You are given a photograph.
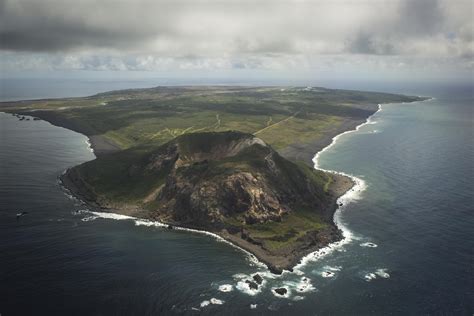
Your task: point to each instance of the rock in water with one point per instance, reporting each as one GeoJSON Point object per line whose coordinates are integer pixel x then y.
{"type": "Point", "coordinates": [257, 278]}
{"type": "Point", "coordinates": [281, 291]}
{"type": "Point", "coordinates": [252, 285]}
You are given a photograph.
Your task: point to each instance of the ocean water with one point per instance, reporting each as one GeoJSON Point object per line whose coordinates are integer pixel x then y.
{"type": "Point", "coordinates": [410, 248]}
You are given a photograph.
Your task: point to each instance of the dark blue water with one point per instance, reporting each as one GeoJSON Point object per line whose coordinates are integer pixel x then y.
{"type": "Point", "coordinates": [416, 160]}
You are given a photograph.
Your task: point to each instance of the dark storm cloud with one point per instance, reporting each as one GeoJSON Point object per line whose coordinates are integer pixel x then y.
{"type": "Point", "coordinates": [65, 37]}
{"type": "Point", "coordinates": [62, 25]}
{"type": "Point", "coordinates": [365, 43]}
{"type": "Point", "coordinates": [260, 26]}
{"type": "Point", "coordinates": [411, 20]}
{"type": "Point", "coordinates": [151, 34]}
{"type": "Point", "coordinates": [420, 17]}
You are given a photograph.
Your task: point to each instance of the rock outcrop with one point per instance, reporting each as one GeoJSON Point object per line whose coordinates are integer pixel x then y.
{"type": "Point", "coordinates": [233, 174]}
{"type": "Point", "coordinates": [230, 183]}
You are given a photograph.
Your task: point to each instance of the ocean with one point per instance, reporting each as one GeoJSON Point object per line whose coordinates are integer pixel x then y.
{"type": "Point", "coordinates": [409, 227]}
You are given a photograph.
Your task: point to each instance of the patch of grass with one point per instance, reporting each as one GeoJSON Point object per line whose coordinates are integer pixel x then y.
{"type": "Point", "coordinates": [142, 116]}
{"type": "Point", "coordinates": [121, 177]}
{"type": "Point", "coordinates": [278, 235]}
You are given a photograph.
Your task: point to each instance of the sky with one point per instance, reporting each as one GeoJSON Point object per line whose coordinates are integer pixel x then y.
{"type": "Point", "coordinates": [391, 39]}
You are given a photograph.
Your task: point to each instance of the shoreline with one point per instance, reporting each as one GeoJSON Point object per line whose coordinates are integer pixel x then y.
{"type": "Point", "coordinates": [276, 264]}
{"type": "Point", "coordinates": [351, 195]}
{"type": "Point", "coordinates": [255, 253]}
{"type": "Point", "coordinates": [299, 260]}
{"type": "Point", "coordinates": [99, 144]}
{"type": "Point", "coordinates": [306, 152]}
{"type": "Point", "coordinates": [348, 197]}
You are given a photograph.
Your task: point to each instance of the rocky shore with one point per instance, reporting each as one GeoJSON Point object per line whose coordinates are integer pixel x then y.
{"type": "Point", "coordinates": [271, 204]}
{"type": "Point", "coordinates": [276, 263]}
{"type": "Point", "coordinates": [288, 258]}
{"type": "Point", "coordinates": [253, 201]}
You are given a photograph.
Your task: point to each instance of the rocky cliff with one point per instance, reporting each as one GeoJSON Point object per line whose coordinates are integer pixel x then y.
{"type": "Point", "coordinates": [231, 183]}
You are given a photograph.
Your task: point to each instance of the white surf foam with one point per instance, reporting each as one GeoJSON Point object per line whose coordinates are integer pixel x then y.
{"type": "Point", "coordinates": [268, 275]}
{"type": "Point", "coordinates": [382, 273]}
{"type": "Point", "coordinates": [379, 273]}
{"type": "Point", "coordinates": [298, 272]}
{"type": "Point", "coordinates": [335, 268]}
{"type": "Point", "coordinates": [369, 244]}
{"type": "Point", "coordinates": [304, 285]}
{"type": "Point", "coordinates": [226, 288]}
{"type": "Point", "coordinates": [147, 223]}
{"type": "Point", "coordinates": [108, 215]}
{"type": "Point", "coordinates": [352, 195]}
{"type": "Point", "coordinates": [143, 222]}
{"type": "Point", "coordinates": [330, 271]}
{"type": "Point", "coordinates": [253, 306]}
{"type": "Point", "coordinates": [337, 137]}
{"type": "Point", "coordinates": [205, 303]}
{"type": "Point", "coordinates": [216, 301]}
{"type": "Point", "coordinates": [89, 146]}
{"type": "Point", "coordinates": [89, 218]}
{"type": "Point", "coordinates": [244, 287]}
{"type": "Point", "coordinates": [370, 276]}
{"type": "Point", "coordinates": [327, 274]}
{"type": "Point", "coordinates": [239, 276]}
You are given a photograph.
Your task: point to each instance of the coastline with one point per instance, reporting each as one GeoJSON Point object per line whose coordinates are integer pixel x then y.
{"type": "Point", "coordinates": [351, 195]}
{"type": "Point", "coordinates": [99, 144]}
{"type": "Point", "coordinates": [306, 152]}
{"type": "Point", "coordinates": [342, 199]}
{"type": "Point", "coordinates": [277, 264]}
{"type": "Point", "coordinates": [344, 196]}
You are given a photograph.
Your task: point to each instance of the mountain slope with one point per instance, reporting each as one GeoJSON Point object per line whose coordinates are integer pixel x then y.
{"type": "Point", "coordinates": [231, 183]}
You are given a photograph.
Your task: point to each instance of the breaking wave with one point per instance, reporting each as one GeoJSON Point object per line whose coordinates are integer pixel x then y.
{"type": "Point", "coordinates": [350, 196]}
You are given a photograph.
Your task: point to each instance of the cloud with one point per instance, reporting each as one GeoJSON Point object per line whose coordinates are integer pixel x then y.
{"type": "Point", "coordinates": [136, 34]}
{"type": "Point", "coordinates": [50, 25]}
{"type": "Point", "coordinates": [420, 17]}
{"type": "Point", "coordinates": [365, 43]}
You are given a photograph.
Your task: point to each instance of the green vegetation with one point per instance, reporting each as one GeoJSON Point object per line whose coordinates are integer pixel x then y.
{"type": "Point", "coordinates": [194, 156]}
{"type": "Point", "coordinates": [276, 236]}
{"type": "Point", "coordinates": [279, 115]}
{"type": "Point", "coordinates": [121, 177]}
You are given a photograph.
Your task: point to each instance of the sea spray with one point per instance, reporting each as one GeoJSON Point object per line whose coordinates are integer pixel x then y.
{"type": "Point", "coordinates": [89, 145]}
{"type": "Point", "coordinates": [226, 288]}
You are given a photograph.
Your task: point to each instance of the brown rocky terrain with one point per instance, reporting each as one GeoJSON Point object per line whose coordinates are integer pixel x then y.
{"type": "Point", "coordinates": [230, 183]}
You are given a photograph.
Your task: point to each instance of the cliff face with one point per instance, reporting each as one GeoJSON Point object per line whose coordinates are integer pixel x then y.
{"type": "Point", "coordinates": [230, 175]}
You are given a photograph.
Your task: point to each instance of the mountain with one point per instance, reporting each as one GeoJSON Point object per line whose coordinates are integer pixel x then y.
{"type": "Point", "coordinates": [230, 183]}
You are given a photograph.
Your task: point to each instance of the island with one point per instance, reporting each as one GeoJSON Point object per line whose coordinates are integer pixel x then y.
{"type": "Point", "coordinates": [235, 161]}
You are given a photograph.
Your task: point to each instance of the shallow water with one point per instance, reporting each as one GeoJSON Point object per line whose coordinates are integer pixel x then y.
{"type": "Point", "coordinates": [411, 250]}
